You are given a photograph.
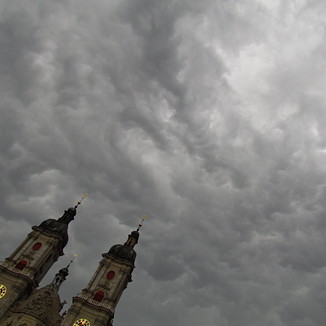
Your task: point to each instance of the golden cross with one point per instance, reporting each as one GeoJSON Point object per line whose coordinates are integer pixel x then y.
{"type": "Point", "coordinates": [83, 197]}
{"type": "Point", "coordinates": [143, 218]}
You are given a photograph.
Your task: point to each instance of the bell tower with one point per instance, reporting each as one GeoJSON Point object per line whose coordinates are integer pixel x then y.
{"type": "Point", "coordinates": [95, 305]}
{"type": "Point", "coordinates": [22, 271]}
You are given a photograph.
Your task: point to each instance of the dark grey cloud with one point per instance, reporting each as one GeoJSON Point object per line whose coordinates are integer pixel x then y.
{"type": "Point", "coordinates": [206, 115]}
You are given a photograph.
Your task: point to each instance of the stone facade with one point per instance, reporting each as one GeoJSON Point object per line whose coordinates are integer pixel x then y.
{"type": "Point", "coordinates": [22, 304]}
{"type": "Point", "coordinates": [41, 308]}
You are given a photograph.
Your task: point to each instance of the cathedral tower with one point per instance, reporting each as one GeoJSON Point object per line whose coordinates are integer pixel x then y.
{"type": "Point", "coordinates": [22, 271]}
{"type": "Point", "coordinates": [96, 304]}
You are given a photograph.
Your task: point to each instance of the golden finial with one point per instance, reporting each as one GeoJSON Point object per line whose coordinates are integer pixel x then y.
{"type": "Point", "coordinates": [80, 201]}
{"type": "Point", "coordinates": [143, 218]}
{"type": "Point", "coordinates": [72, 259]}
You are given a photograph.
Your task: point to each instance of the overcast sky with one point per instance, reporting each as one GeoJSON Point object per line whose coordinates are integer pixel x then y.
{"type": "Point", "coordinates": [207, 115]}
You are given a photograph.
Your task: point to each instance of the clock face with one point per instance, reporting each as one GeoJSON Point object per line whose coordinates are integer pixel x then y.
{"type": "Point", "coordinates": [82, 322]}
{"type": "Point", "coordinates": [3, 290]}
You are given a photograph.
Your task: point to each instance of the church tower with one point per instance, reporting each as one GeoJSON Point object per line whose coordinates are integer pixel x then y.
{"type": "Point", "coordinates": [22, 271]}
{"type": "Point", "coordinates": [41, 308]}
{"type": "Point", "coordinates": [96, 304]}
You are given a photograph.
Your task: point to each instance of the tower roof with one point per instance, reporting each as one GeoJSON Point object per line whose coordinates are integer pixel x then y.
{"type": "Point", "coordinates": [126, 251]}
{"type": "Point", "coordinates": [60, 277]}
{"type": "Point", "coordinates": [123, 252]}
{"type": "Point", "coordinates": [59, 227]}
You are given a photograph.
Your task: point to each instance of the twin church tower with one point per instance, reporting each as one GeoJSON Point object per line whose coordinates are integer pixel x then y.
{"type": "Point", "coordinates": [23, 304]}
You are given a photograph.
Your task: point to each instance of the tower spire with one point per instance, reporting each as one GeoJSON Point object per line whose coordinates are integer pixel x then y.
{"type": "Point", "coordinates": [61, 276]}
{"type": "Point", "coordinates": [70, 213]}
{"type": "Point", "coordinates": [59, 227]}
{"type": "Point", "coordinates": [134, 236]}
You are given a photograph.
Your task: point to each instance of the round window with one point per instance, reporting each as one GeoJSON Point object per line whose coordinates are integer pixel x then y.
{"type": "Point", "coordinates": [110, 275]}
{"type": "Point", "coordinates": [37, 246]}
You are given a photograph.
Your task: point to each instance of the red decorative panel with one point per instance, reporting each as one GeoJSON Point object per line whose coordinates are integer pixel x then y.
{"type": "Point", "coordinates": [37, 246]}
{"type": "Point", "coordinates": [98, 296]}
{"type": "Point", "coordinates": [110, 275]}
{"type": "Point", "coordinates": [21, 265]}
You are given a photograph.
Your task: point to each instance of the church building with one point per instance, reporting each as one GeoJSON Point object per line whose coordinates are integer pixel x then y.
{"type": "Point", "coordinates": [22, 303]}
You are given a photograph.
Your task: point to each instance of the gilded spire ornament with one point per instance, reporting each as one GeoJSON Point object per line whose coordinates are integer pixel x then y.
{"type": "Point", "coordinates": [143, 218]}
{"type": "Point", "coordinates": [80, 201]}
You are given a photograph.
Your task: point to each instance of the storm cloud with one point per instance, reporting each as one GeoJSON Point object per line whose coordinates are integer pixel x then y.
{"type": "Point", "coordinates": [206, 115]}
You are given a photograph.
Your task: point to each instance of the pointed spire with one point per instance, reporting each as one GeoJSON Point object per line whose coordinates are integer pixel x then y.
{"type": "Point", "coordinates": [61, 276]}
{"type": "Point", "coordinates": [134, 236]}
{"type": "Point", "coordinates": [71, 212]}
{"type": "Point", "coordinates": [59, 227]}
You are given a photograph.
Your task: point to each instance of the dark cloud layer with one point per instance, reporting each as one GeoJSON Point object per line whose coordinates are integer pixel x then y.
{"type": "Point", "coordinates": [207, 115]}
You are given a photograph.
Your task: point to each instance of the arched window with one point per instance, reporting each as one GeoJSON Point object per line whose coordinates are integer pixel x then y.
{"type": "Point", "coordinates": [37, 246]}
{"type": "Point", "coordinates": [21, 265]}
{"type": "Point", "coordinates": [110, 275]}
{"type": "Point", "coordinates": [98, 296]}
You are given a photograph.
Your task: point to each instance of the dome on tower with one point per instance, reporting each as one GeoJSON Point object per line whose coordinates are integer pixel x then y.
{"type": "Point", "coordinates": [123, 252]}
{"type": "Point", "coordinates": [64, 271]}
{"type": "Point", "coordinates": [59, 227]}
{"type": "Point", "coordinates": [126, 251]}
